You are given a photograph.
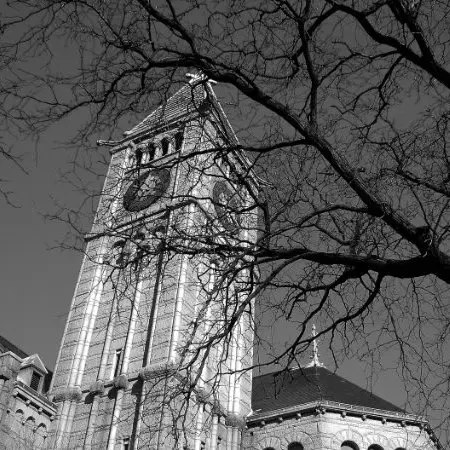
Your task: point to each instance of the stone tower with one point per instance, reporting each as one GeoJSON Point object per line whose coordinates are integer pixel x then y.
{"type": "Point", "coordinates": [160, 323]}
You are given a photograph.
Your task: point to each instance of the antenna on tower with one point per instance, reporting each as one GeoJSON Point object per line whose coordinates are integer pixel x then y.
{"type": "Point", "coordinates": [315, 356]}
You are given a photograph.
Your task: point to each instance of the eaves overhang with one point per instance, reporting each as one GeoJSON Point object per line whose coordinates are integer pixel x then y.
{"type": "Point", "coordinates": [324, 406]}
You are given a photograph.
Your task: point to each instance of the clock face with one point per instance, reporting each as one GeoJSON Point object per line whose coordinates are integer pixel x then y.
{"type": "Point", "coordinates": [146, 189]}
{"type": "Point", "coordinates": [227, 206]}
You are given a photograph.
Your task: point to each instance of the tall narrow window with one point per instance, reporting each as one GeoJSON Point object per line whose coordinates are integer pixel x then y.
{"type": "Point", "coordinates": [138, 156]}
{"type": "Point", "coordinates": [165, 146]}
{"type": "Point", "coordinates": [151, 151]}
{"type": "Point", "coordinates": [116, 363]}
{"type": "Point", "coordinates": [178, 140]}
{"type": "Point", "coordinates": [126, 444]}
{"type": "Point", "coordinates": [35, 381]}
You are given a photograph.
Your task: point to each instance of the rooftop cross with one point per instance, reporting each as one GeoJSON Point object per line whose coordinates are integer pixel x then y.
{"type": "Point", "coordinates": [315, 356]}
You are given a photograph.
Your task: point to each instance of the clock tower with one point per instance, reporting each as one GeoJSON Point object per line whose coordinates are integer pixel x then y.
{"type": "Point", "coordinates": [160, 328]}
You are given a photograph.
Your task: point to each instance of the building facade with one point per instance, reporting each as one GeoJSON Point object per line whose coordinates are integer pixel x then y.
{"type": "Point", "coordinates": [25, 411]}
{"type": "Point", "coordinates": [129, 372]}
{"type": "Point", "coordinates": [160, 326]}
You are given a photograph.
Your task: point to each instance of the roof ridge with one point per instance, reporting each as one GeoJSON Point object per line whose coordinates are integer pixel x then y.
{"type": "Point", "coordinates": [12, 348]}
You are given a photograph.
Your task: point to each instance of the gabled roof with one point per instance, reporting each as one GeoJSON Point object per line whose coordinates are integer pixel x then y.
{"type": "Point", "coordinates": [34, 361]}
{"type": "Point", "coordinates": [278, 390]}
{"type": "Point", "coordinates": [7, 346]}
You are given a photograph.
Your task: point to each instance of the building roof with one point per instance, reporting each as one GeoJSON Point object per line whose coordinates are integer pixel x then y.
{"type": "Point", "coordinates": [195, 97]}
{"type": "Point", "coordinates": [7, 346]}
{"type": "Point", "coordinates": [189, 99]}
{"type": "Point", "coordinates": [278, 390]}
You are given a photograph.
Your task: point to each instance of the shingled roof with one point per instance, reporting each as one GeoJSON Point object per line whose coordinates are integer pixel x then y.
{"type": "Point", "coordinates": [279, 390]}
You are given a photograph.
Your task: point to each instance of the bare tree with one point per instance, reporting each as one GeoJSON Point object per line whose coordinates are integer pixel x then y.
{"type": "Point", "coordinates": [344, 116]}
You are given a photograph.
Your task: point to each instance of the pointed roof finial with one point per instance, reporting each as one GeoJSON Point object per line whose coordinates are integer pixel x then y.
{"type": "Point", "coordinates": [315, 356]}
{"type": "Point", "coordinates": [198, 77]}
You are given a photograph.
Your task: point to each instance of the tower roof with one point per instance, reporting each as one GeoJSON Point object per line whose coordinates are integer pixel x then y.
{"type": "Point", "coordinates": [188, 99]}
{"type": "Point", "coordinates": [279, 390]}
{"type": "Point", "coordinates": [195, 97]}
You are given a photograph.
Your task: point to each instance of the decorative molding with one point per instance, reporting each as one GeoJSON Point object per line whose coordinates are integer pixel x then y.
{"type": "Point", "coordinates": [235, 420]}
{"type": "Point", "coordinates": [320, 407]}
{"type": "Point", "coordinates": [218, 409]}
{"type": "Point", "coordinates": [97, 388]}
{"type": "Point", "coordinates": [72, 394]}
{"type": "Point", "coordinates": [157, 370]}
{"type": "Point", "coordinates": [202, 395]}
{"type": "Point", "coordinates": [121, 382]}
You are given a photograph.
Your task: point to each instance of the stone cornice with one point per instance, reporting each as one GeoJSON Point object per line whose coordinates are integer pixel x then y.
{"type": "Point", "coordinates": [39, 401]}
{"type": "Point", "coordinates": [321, 407]}
{"type": "Point", "coordinates": [72, 393]}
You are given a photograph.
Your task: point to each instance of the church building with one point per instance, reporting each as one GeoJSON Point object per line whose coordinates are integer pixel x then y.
{"type": "Point", "coordinates": [160, 327]}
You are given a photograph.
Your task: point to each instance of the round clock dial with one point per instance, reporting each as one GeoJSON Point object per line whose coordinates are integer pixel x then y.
{"type": "Point", "coordinates": [227, 206]}
{"type": "Point", "coordinates": [146, 189]}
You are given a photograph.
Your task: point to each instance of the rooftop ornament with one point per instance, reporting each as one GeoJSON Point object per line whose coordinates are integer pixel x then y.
{"type": "Point", "coordinates": [315, 356]}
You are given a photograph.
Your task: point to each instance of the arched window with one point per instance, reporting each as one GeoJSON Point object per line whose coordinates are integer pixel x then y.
{"type": "Point", "coordinates": [400, 448]}
{"type": "Point", "coordinates": [30, 422]}
{"type": "Point", "coordinates": [349, 445]}
{"type": "Point", "coordinates": [269, 448]}
{"type": "Point", "coordinates": [375, 447]}
{"type": "Point", "coordinates": [41, 434]}
{"type": "Point", "coordinates": [295, 446]}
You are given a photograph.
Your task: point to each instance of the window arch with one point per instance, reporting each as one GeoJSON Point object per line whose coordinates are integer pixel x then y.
{"type": "Point", "coordinates": [30, 422]}
{"type": "Point", "coordinates": [349, 445]}
{"type": "Point", "coordinates": [295, 446]}
{"type": "Point", "coordinates": [400, 448]}
{"type": "Point", "coordinates": [268, 448]}
{"type": "Point", "coordinates": [375, 447]}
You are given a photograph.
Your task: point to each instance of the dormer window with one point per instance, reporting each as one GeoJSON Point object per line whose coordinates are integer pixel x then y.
{"type": "Point", "coordinates": [35, 382]}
